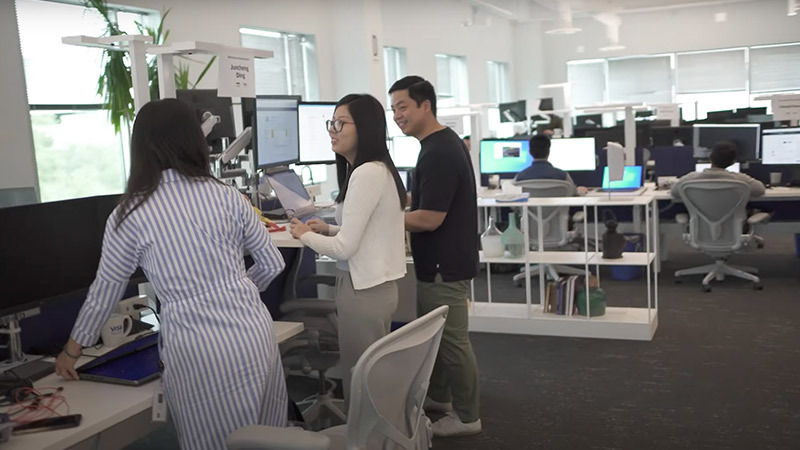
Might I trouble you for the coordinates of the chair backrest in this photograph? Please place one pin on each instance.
(389, 385)
(716, 213)
(555, 219)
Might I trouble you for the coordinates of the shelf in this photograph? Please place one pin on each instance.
(574, 258)
(617, 323)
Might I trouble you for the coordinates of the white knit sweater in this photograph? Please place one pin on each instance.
(371, 236)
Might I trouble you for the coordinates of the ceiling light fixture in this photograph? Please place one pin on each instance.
(564, 24)
(612, 23)
(794, 7)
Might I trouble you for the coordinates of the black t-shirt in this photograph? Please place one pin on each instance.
(444, 181)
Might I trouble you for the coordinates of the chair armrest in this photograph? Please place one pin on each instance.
(309, 305)
(682, 218)
(760, 217)
(328, 280)
(261, 437)
(578, 216)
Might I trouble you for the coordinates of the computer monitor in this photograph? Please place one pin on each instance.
(572, 154)
(513, 112)
(699, 167)
(504, 156)
(631, 179)
(404, 177)
(405, 151)
(276, 130)
(746, 136)
(669, 136)
(781, 146)
(546, 104)
(314, 140)
(202, 100)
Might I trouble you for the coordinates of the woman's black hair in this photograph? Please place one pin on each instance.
(370, 123)
(166, 135)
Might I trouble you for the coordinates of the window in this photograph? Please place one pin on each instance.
(714, 71)
(640, 79)
(452, 88)
(77, 152)
(394, 67)
(293, 68)
(774, 68)
(588, 79)
(499, 82)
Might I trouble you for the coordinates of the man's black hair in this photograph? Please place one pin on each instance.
(418, 88)
(540, 147)
(723, 154)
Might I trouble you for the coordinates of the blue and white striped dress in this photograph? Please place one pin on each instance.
(222, 368)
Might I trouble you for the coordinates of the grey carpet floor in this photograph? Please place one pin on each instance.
(722, 371)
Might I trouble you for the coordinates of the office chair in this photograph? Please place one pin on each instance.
(390, 382)
(714, 226)
(555, 223)
(317, 348)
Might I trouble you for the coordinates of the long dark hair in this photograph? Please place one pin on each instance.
(166, 135)
(370, 122)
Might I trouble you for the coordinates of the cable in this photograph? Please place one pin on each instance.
(139, 306)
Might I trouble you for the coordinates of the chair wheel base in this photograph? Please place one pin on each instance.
(517, 283)
(758, 286)
(759, 246)
(678, 281)
(706, 288)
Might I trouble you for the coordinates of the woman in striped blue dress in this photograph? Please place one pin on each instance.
(222, 368)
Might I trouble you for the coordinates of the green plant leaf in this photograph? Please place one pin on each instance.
(203, 73)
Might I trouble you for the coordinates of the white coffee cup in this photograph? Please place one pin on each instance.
(775, 178)
(116, 328)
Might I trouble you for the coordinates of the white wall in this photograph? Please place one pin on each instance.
(686, 29)
(528, 57)
(17, 164)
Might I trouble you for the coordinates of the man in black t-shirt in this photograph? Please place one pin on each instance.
(444, 243)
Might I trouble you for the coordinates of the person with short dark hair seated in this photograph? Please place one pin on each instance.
(541, 169)
(722, 156)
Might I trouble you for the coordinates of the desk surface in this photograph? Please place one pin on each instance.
(92, 400)
(778, 193)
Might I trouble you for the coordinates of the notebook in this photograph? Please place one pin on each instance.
(294, 198)
(631, 182)
(133, 364)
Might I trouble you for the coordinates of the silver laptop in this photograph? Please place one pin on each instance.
(294, 198)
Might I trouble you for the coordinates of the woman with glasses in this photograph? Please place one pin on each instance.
(368, 242)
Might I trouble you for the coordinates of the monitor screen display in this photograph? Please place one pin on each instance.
(513, 112)
(202, 100)
(572, 153)
(290, 191)
(699, 167)
(404, 177)
(781, 146)
(631, 179)
(405, 151)
(276, 139)
(315, 143)
(747, 138)
(501, 156)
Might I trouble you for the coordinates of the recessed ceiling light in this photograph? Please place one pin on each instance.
(611, 48)
(565, 30)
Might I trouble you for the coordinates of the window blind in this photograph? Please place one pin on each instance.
(711, 71)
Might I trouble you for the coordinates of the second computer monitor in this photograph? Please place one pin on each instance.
(405, 151)
(314, 140)
(781, 146)
(747, 138)
(572, 153)
(513, 112)
(275, 119)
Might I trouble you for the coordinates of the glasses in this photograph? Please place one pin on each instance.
(335, 126)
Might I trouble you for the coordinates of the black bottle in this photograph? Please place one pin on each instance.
(613, 242)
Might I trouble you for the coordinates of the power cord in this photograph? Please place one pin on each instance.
(138, 307)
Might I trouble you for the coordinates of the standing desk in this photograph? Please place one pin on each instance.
(114, 416)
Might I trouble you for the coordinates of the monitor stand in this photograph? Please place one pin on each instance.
(18, 363)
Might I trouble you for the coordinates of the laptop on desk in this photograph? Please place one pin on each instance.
(294, 198)
(629, 185)
(132, 364)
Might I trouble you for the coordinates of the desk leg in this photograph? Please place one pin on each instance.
(637, 219)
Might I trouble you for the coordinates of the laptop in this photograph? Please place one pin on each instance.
(294, 198)
(630, 184)
(131, 364)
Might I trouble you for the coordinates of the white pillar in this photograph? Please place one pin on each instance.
(358, 45)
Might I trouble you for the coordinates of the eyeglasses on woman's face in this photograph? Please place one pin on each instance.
(335, 126)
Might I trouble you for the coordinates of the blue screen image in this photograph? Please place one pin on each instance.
(631, 178)
(502, 156)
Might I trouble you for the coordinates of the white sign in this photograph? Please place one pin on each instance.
(236, 77)
(456, 123)
(616, 161)
(668, 112)
(786, 107)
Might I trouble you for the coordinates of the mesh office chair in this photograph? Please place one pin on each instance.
(716, 218)
(555, 224)
(390, 382)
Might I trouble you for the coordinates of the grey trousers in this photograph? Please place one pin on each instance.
(455, 373)
(364, 316)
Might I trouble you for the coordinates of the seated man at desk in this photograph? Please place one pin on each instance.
(541, 169)
(722, 155)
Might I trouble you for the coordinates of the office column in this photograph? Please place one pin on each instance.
(358, 48)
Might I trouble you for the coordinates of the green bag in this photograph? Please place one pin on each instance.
(597, 302)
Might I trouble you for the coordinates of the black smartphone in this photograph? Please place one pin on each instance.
(51, 423)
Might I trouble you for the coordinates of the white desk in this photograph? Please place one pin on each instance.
(114, 416)
(774, 194)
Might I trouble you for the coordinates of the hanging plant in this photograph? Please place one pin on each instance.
(115, 83)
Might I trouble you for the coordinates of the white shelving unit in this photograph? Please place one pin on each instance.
(635, 323)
